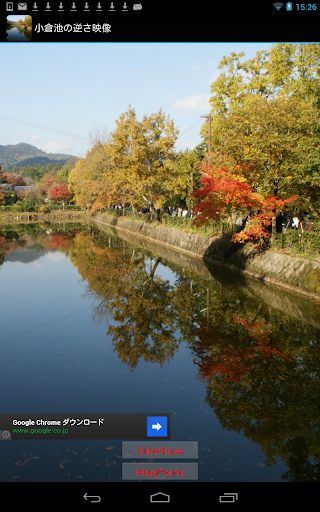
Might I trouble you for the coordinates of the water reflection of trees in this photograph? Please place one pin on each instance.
(9, 241)
(134, 296)
(35, 237)
(262, 378)
(22, 30)
(260, 367)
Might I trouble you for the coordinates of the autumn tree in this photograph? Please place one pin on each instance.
(2, 196)
(265, 118)
(46, 183)
(15, 179)
(60, 193)
(141, 153)
(223, 191)
(286, 70)
(92, 180)
(186, 176)
(28, 20)
(275, 144)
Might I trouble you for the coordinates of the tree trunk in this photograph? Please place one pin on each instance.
(273, 229)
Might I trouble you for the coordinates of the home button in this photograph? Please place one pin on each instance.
(160, 497)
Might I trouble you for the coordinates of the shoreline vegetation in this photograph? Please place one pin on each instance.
(294, 272)
(293, 242)
(252, 183)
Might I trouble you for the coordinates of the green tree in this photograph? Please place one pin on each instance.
(187, 175)
(285, 70)
(275, 143)
(265, 119)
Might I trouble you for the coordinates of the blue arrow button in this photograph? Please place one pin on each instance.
(157, 426)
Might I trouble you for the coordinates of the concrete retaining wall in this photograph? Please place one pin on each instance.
(290, 272)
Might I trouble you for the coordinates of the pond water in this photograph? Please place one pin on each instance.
(92, 323)
(16, 34)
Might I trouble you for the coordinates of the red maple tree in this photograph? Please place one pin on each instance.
(223, 191)
(60, 192)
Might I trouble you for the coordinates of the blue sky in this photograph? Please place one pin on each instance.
(16, 17)
(78, 88)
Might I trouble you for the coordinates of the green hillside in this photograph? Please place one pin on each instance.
(25, 154)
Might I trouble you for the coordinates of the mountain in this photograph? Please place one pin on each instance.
(25, 154)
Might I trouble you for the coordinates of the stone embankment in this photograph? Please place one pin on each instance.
(293, 273)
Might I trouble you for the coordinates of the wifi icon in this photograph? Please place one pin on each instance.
(278, 5)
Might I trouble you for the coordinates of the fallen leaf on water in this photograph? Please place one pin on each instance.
(79, 476)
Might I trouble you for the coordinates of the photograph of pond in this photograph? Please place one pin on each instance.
(18, 29)
(159, 265)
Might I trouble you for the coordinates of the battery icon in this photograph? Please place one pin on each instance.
(289, 6)
(228, 497)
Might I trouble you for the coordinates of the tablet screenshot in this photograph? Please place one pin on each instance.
(159, 253)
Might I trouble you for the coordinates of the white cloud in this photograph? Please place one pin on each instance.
(58, 146)
(199, 103)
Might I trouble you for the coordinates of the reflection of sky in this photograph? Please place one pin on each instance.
(13, 17)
